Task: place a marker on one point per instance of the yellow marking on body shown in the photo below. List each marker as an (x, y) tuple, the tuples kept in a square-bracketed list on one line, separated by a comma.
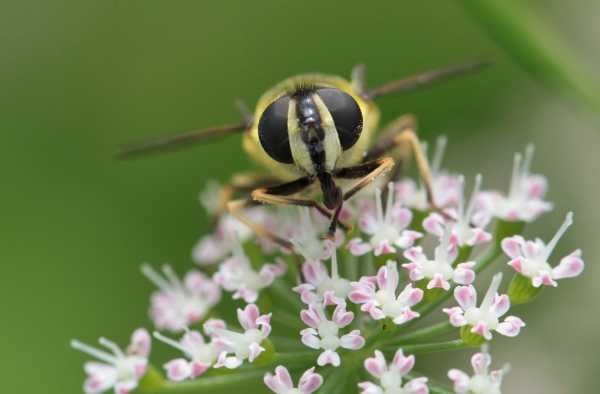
[(331, 141), (299, 149)]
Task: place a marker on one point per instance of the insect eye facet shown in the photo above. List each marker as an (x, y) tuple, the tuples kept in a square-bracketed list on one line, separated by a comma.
[(273, 131), (346, 115)]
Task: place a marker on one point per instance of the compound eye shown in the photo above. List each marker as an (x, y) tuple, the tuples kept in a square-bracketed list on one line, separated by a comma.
[(273, 131), (345, 113)]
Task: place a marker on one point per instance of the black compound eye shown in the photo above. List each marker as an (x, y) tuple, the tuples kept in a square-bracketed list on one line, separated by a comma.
[(273, 131), (345, 113)]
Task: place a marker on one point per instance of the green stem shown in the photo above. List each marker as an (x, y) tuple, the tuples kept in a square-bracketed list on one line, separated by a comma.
[(423, 348), (286, 344), (283, 292), (351, 267), (424, 334), (332, 380), (488, 258), (287, 319)]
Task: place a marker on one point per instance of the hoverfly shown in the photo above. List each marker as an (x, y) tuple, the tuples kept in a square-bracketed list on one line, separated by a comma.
[(316, 130)]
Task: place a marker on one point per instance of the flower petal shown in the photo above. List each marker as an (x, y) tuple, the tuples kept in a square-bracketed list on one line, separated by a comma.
[(569, 267), (466, 296), (178, 369), (310, 381), (353, 340), (329, 357)]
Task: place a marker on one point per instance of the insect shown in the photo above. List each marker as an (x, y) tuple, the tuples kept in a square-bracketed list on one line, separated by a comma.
[(314, 133)]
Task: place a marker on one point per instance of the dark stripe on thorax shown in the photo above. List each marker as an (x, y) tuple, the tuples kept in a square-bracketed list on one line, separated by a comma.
[(310, 119)]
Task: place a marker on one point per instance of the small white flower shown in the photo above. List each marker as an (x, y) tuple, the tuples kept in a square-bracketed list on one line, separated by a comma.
[(305, 234), (179, 304), (530, 258), (440, 270), (391, 376), (210, 197), (324, 333), (484, 381), (466, 223), (118, 370), (525, 199), (485, 318), (229, 231), (281, 382), (320, 286), (378, 295), (387, 230), (445, 186), (200, 354), (237, 275), (239, 346)]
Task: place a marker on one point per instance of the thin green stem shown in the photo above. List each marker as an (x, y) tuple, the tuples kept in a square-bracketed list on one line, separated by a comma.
[(423, 334), (351, 267), (435, 347), (332, 380), (287, 319), (292, 274), (284, 293), (488, 258), (285, 344)]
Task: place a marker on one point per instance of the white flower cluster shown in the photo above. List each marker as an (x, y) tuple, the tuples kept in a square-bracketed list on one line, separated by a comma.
[(351, 296)]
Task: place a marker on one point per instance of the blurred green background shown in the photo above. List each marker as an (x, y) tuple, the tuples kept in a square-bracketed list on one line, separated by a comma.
[(79, 78)]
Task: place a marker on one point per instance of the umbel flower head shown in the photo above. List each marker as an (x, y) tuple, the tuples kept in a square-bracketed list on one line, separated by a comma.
[(391, 376), (179, 304), (240, 346), (323, 333), (466, 224), (530, 258), (439, 270), (445, 186), (118, 370), (525, 198), (321, 286), (483, 381), (237, 275), (387, 230), (199, 353), (281, 382), (484, 319), (328, 306), (378, 295)]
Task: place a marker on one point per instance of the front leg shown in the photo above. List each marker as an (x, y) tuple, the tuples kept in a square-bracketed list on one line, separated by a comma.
[(365, 173), (401, 133)]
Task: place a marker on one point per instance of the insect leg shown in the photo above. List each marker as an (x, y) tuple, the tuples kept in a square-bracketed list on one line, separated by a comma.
[(235, 208), (279, 195), (365, 173), (401, 134), (241, 183)]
